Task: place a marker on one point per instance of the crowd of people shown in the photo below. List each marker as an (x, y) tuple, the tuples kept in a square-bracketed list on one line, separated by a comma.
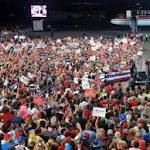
[(49, 88)]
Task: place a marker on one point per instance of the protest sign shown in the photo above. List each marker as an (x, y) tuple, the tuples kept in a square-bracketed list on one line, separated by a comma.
[(34, 57), (92, 58), (10, 47), (99, 112), (40, 50), (78, 51), (33, 87), (85, 82), (6, 82), (24, 80), (122, 117), (21, 37), (39, 100), (85, 85), (90, 92), (75, 80), (30, 46), (23, 111), (30, 75), (13, 86)]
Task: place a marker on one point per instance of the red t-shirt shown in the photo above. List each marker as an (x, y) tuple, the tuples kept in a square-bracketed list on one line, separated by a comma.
[(142, 144), (133, 103), (108, 88), (104, 103), (7, 117), (86, 113), (113, 102), (61, 148)]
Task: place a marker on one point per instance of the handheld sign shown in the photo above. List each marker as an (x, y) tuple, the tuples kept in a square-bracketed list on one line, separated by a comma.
[(6, 82), (99, 112), (24, 80), (39, 100), (75, 80), (122, 117), (90, 93)]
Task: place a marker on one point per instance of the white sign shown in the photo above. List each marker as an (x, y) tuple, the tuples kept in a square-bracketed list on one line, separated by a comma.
[(24, 80), (85, 83), (92, 58), (99, 112), (6, 82), (75, 80), (128, 14), (21, 37), (10, 47)]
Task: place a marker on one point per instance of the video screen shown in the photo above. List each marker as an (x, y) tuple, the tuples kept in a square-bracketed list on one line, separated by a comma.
[(38, 11)]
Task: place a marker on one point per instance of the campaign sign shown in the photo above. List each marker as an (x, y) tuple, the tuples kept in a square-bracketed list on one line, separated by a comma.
[(122, 117), (99, 112), (24, 80)]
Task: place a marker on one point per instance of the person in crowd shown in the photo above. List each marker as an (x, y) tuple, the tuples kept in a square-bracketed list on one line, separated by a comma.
[(49, 89)]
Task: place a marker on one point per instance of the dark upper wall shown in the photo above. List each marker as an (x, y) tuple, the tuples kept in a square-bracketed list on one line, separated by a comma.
[(12, 11)]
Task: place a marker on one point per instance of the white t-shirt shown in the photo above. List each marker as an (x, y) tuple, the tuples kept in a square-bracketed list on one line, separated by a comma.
[(134, 148), (83, 104), (32, 111), (1, 107), (21, 147)]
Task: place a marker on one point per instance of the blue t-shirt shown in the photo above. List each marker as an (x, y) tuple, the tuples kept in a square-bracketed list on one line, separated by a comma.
[(146, 137), (92, 135), (68, 146), (99, 143), (7, 146)]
